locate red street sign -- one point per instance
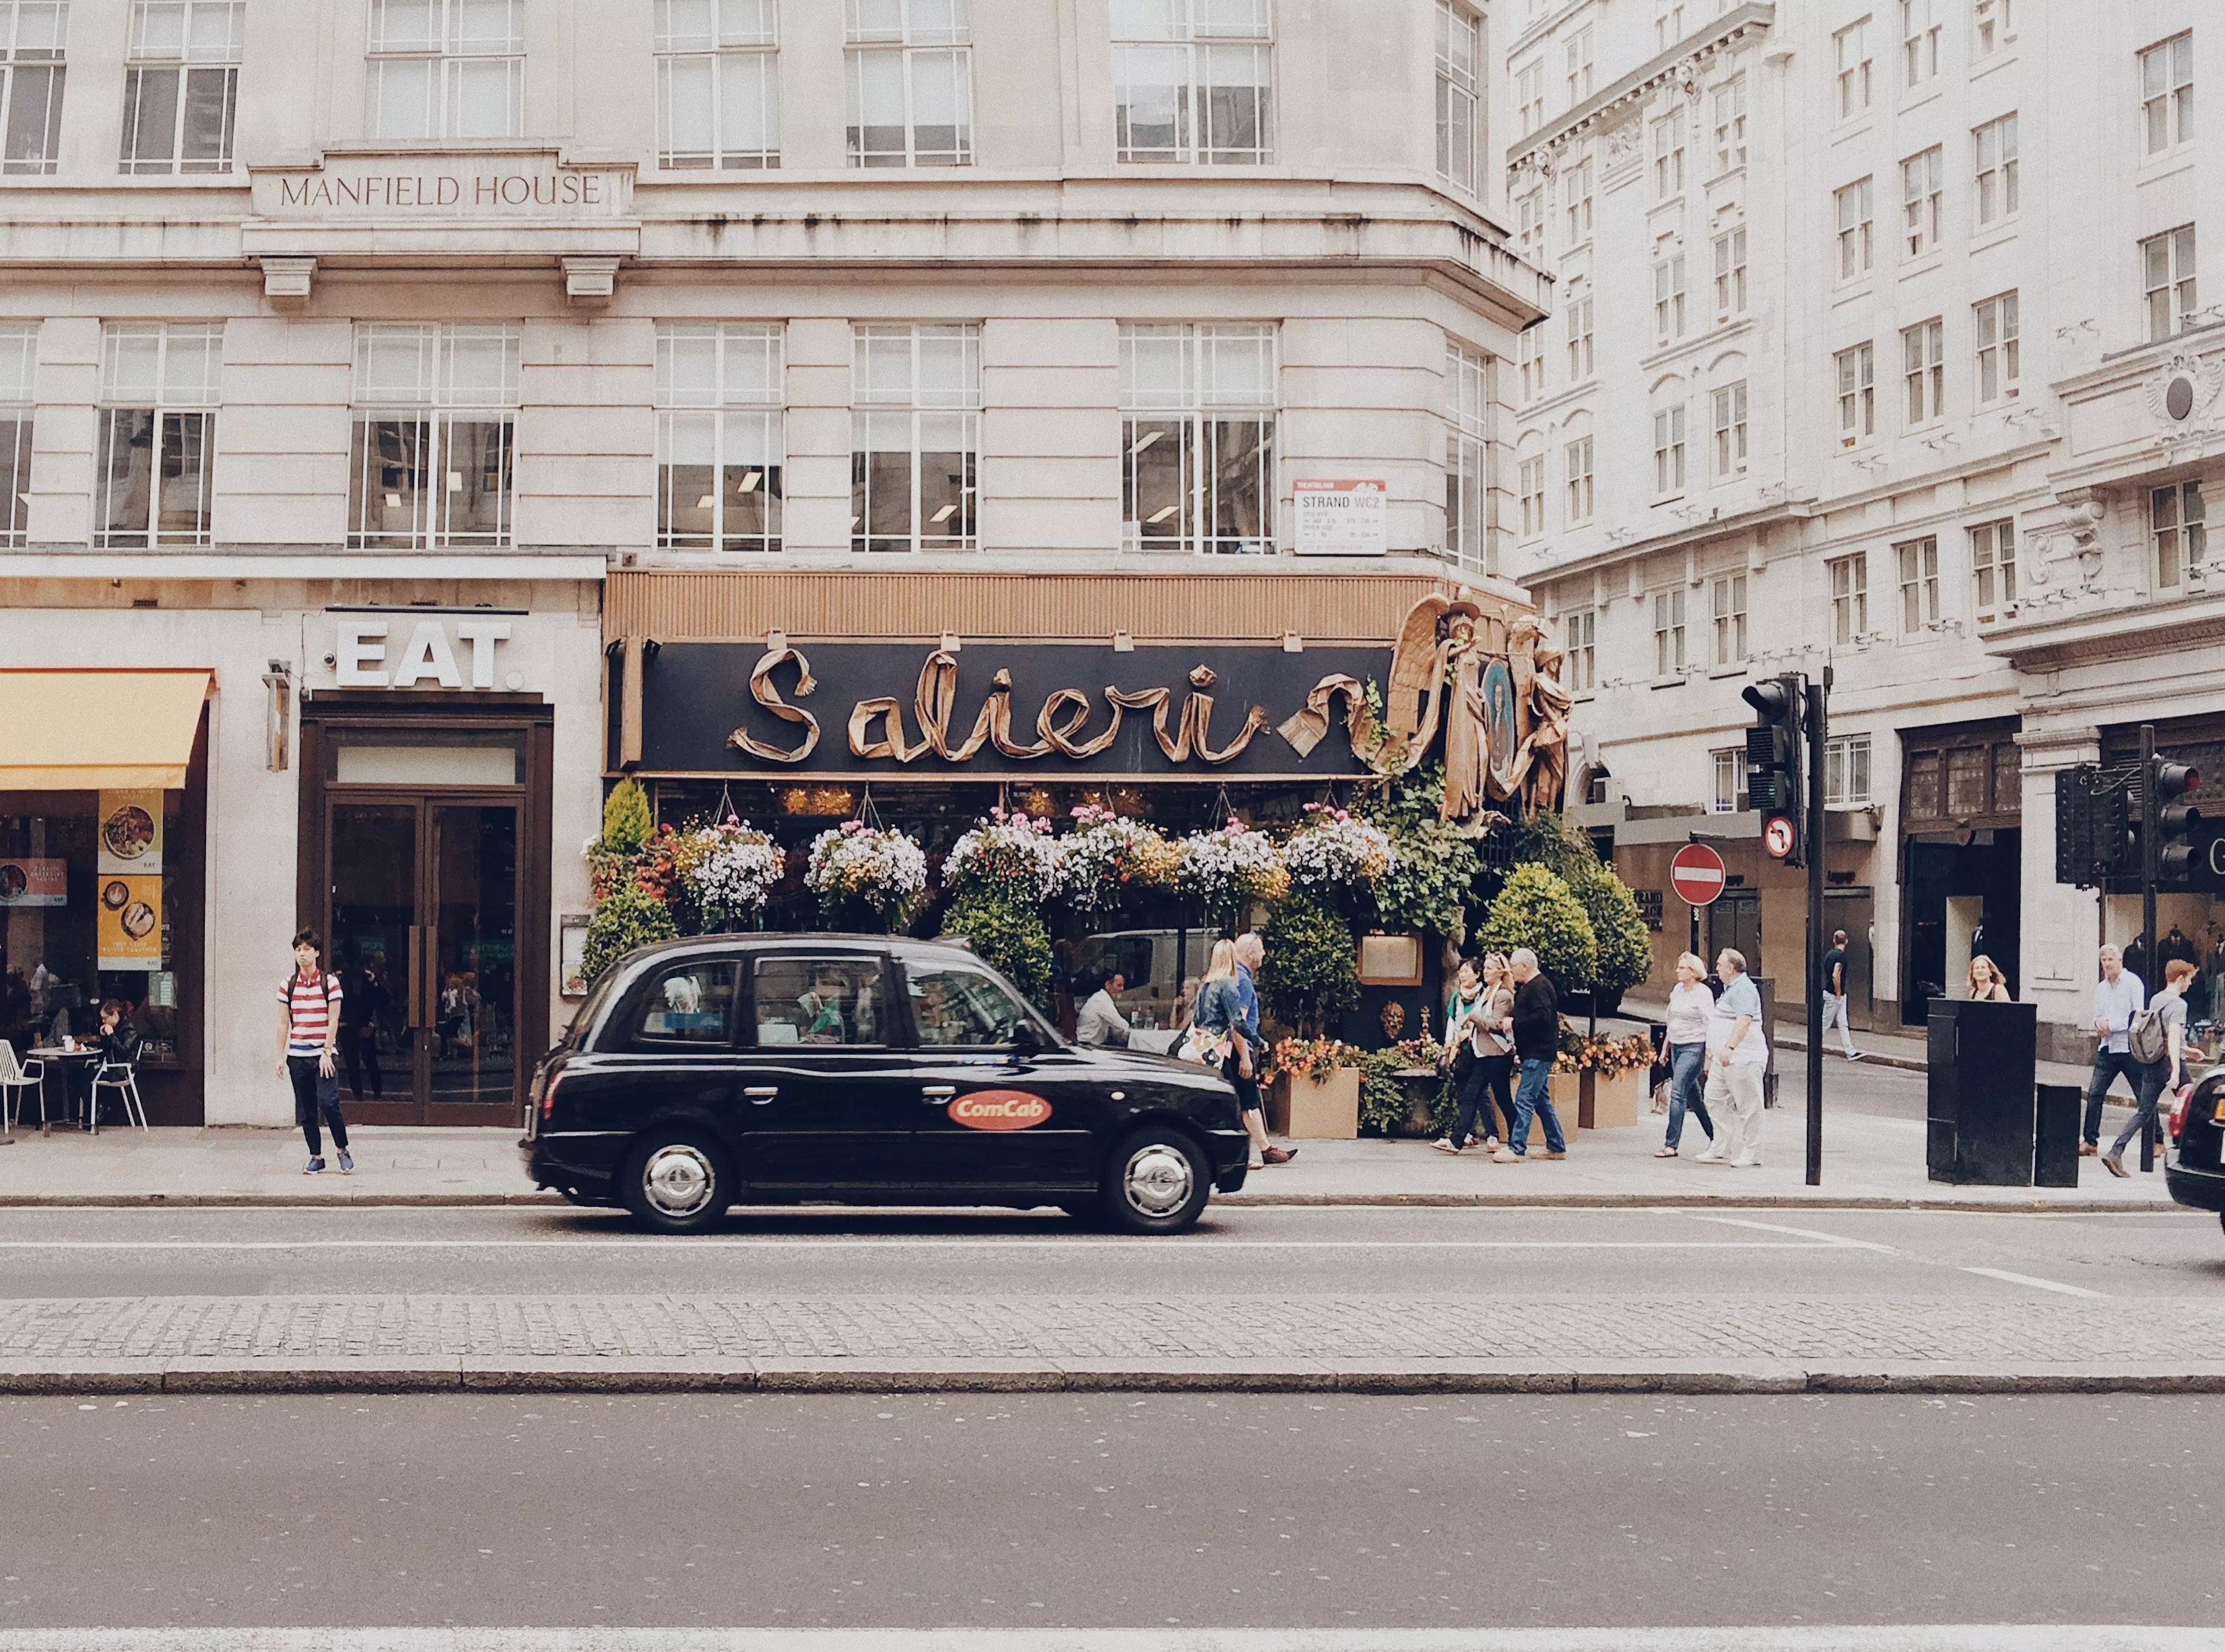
(1777, 836)
(1696, 874)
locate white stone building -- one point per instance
(346, 346)
(1867, 320)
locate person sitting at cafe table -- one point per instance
(117, 1040)
(1100, 1021)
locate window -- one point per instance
(1578, 455)
(1669, 450)
(1923, 371)
(1530, 225)
(1199, 437)
(1579, 657)
(1668, 24)
(1846, 771)
(1850, 598)
(1993, 567)
(1995, 160)
(1919, 198)
(1730, 272)
(1989, 27)
(1669, 633)
(1729, 796)
(1919, 584)
(1729, 421)
(1727, 608)
(914, 437)
(720, 446)
(1668, 296)
(182, 85)
(1530, 96)
(1576, 192)
(1919, 42)
(2167, 94)
(1669, 154)
(2167, 261)
(1730, 123)
(19, 361)
(690, 1006)
(1855, 229)
(1530, 480)
(1529, 361)
(962, 1006)
(2175, 520)
(1459, 95)
(447, 68)
(1579, 65)
(833, 1000)
(435, 434)
(32, 33)
(1995, 323)
(1857, 394)
(911, 84)
(1467, 425)
(158, 398)
(718, 85)
(1579, 336)
(1851, 51)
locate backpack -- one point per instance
(2147, 1040)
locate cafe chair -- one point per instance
(15, 1077)
(121, 1076)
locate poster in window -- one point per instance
(128, 920)
(572, 954)
(130, 833)
(36, 881)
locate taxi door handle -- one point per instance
(762, 1093)
(937, 1091)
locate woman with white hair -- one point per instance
(1692, 1006)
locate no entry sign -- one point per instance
(1696, 874)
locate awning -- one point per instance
(84, 731)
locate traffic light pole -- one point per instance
(1818, 728)
(2151, 856)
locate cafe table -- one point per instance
(91, 1057)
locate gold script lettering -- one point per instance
(766, 693)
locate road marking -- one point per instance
(832, 1243)
(1801, 1232)
(2006, 1277)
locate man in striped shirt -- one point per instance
(308, 1025)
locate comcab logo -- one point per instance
(999, 1110)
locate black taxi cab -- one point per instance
(777, 1069)
(2195, 1171)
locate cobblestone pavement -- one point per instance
(925, 1330)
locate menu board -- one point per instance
(129, 922)
(130, 831)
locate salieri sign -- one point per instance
(1342, 518)
(409, 186)
(391, 651)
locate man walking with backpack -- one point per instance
(2156, 1040)
(2118, 997)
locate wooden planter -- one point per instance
(1616, 1102)
(1321, 1110)
(1571, 1094)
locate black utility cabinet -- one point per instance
(1982, 1110)
(2055, 1151)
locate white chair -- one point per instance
(120, 1077)
(15, 1077)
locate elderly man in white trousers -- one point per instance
(1738, 1055)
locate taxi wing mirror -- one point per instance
(1027, 1042)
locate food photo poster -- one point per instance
(129, 922)
(130, 833)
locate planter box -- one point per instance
(1568, 1091)
(1319, 1110)
(1617, 1102)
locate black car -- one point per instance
(774, 1069)
(2196, 1173)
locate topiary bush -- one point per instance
(1008, 937)
(1311, 970)
(628, 917)
(626, 820)
(1537, 911)
(1624, 950)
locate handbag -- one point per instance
(1203, 1045)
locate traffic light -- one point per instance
(2175, 820)
(1776, 764)
(2094, 836)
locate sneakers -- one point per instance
(1445, 1145)
(1744, 1162)
(1555, 1153)
(2089, 1149)
(316, 1167)
(1506, 1155)
(2114, 1165)
(347, 1165)
(1853, 1055)
(1713, 1156)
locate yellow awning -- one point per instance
(84, 731)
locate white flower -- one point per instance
(1009, 855)
(1332, 848)
(884, 868)
(1231, 864)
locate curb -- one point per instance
(559, 1374)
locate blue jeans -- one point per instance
(1534, 1099)
(1687, 1072)
(2107, 1065)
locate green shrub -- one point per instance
(1624, 950)
(1311, 972)
(1537, 911)
(630, 916)
(1008, 937)
(1383, 1104)
(626, 821)
(1430, 886)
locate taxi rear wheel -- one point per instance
(676, 1181)
(1157, 1181)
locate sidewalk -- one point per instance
(1870, 1160)
(1901, 1049)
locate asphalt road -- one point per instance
(240, 1252)
(1134, 1511)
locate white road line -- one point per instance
(1079, 1242)
(2006, 1277)
(1800, 1232)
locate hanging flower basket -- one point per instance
(1334, 851)
(1009, 857)
(728, 871)
(1108, 859)
(862, 872)
(1230, 868)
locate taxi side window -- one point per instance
(961, 1006)
(819, 1000)
(690, 1006)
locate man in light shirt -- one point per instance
(1099, 1020)
(2118, 997)
(1738, 1055)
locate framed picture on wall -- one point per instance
(1391, 960)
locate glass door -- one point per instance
(371, 937)
(472, 951)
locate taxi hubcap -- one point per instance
(1157, 1180)
(677, 1180)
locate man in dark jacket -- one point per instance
(1537, 1043)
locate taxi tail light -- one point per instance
(548, 1095)
(2178, 1110)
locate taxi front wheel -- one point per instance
(1157, 1181)
(676, 1181)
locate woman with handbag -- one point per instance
(309, 1027)
(1685, 1041)
(1216, 1037)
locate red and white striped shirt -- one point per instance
(309, 1011)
